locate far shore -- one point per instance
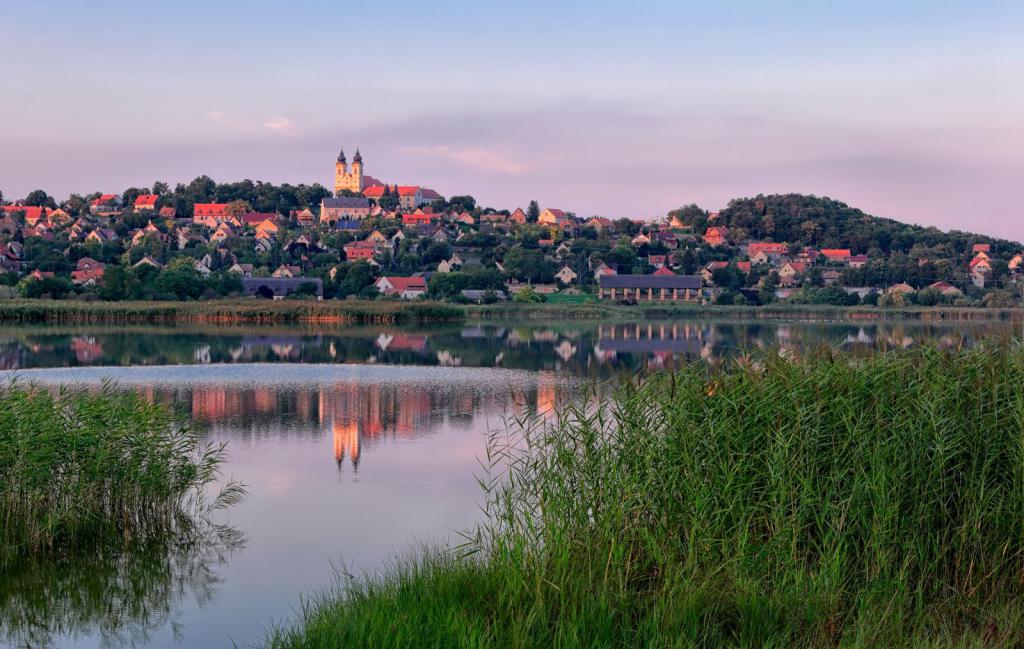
(355, 312)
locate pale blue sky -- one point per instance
(906, 109)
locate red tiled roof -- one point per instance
(146, 200)
(766, 247)
(407, 283)
(210, 209)
(836, 253)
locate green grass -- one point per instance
(771, 502)
(83, 469)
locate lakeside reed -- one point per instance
(82, 469)
(772, 501)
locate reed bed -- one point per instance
(773, 501)
(83, 469)
(242, 311)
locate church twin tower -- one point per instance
(345, 179)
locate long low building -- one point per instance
(279, 287)
(651, 288)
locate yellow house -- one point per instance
(266, 228)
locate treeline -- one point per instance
(821, 222)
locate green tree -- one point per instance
(532, 212)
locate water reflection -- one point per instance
(595, 350)
(114, 596)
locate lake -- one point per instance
(357, 445)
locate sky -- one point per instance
(912, 110)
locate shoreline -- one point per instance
(355, 312)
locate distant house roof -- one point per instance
(651, 281)
(255, 218)
(407, 283)
(146, 200)
(351, 202)
(210, 209)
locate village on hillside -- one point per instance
(370, 239)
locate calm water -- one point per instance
(356, 445)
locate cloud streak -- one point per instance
(476, 158)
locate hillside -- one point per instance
(822, 222)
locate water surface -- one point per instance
(357, 444)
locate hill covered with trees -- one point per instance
(821, 222)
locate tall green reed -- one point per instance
(78, 467)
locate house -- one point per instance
(465, 219)
(658, 261)
(495, 218)
(245, 270)
(762, 252)
(1015, 262)
(222, 232)
(418, 217)
(147, 261)
(839, 255)
(409, 196)
(604, 269)
(480, 296)
(714, 236)
(518, 217)
(359, 250)
(650, 288)
(901, 289)
(981, 247)
(790, 271)
(168, 213)
(87, 271)
(344, 208)
(202, 266)
(449, 265)
(640, 239)
(304, 216)
(105, 204)
(146, 202)
(831, 277)
(551, 216)
(267, 228)
(599, 223)
(101, 236)
(210, 214)
(857, 261)
(287, 271)
(946, 288)
(252, 219)
(662, 272)
(566, 275)
(407, 288)
(376, 238)
(278, 288)
(31, 213)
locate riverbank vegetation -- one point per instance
(239, 311)
(773, 501)
(373, 312)
(81, 469)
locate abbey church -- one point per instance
(354, 180)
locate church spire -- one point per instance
(341, 156)
(358, 158)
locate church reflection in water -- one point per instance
(358, 414)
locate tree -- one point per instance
(39, 198)
(533, 212)
(160, 188)
(119, 283)
(527, 295)
(238, 207)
